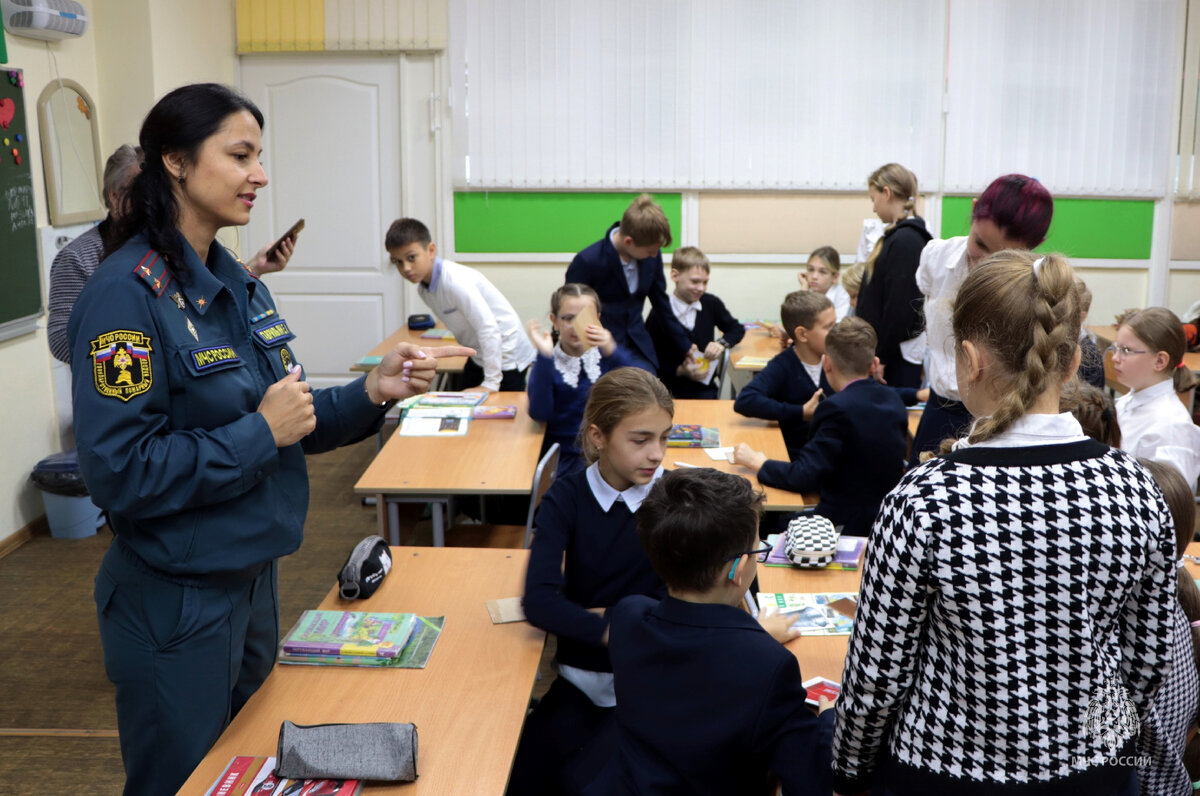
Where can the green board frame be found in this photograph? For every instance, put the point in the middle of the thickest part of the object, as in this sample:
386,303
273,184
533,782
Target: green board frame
511,222
1100,229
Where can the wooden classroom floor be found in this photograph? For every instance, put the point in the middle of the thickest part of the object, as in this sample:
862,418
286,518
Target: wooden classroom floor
58,725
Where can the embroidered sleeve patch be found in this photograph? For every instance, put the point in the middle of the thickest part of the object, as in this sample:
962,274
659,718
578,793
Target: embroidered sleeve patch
274,333
121,364
205,358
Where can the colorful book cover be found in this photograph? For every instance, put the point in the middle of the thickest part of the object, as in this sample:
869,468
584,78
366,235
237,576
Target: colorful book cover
685,435
255,776
350,633
414,655
452,399
815,614
818,687
438,334
494,412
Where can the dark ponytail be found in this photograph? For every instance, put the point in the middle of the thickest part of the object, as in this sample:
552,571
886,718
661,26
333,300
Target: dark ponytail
178,123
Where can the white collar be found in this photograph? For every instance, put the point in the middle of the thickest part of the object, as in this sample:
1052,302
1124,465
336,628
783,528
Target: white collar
1030,430
606,496
680,306
626,264
1154,392
568,366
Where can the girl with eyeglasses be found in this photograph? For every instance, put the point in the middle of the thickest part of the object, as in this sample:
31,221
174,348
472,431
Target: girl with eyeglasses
1148,359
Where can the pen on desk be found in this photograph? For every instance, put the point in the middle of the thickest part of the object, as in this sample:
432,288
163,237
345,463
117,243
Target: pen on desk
689,466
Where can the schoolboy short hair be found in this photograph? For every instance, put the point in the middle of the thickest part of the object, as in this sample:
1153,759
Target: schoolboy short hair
850,345
688,257
404,231
801,308
646,223
694,522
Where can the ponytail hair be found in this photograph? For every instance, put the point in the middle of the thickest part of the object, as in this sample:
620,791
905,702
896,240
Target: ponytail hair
1161,330
1027,319
615,396
901,182
179,124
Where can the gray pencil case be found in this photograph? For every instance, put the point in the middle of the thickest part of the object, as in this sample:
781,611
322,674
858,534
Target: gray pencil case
383,752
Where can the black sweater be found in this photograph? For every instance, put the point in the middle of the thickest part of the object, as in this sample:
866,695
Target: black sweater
604,563
890,300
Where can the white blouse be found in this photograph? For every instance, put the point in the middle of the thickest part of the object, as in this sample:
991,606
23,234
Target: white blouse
1156,425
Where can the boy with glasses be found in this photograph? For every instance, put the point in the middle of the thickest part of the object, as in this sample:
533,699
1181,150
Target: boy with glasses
708,702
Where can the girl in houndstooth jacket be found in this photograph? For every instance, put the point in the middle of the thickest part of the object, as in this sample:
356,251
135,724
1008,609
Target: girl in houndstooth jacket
1018,597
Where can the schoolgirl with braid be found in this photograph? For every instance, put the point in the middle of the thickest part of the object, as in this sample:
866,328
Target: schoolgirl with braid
1018,597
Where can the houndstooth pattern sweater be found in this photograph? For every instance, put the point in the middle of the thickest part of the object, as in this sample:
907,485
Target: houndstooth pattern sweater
1017,608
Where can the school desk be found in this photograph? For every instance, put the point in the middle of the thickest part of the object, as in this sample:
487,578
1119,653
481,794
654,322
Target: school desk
818,655
446,365
494,457
761,435
468,703
758,342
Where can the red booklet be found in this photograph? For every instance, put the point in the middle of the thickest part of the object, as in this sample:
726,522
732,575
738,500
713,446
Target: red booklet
255,776
821,687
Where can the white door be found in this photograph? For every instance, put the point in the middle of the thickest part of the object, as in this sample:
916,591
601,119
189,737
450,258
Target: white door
331,147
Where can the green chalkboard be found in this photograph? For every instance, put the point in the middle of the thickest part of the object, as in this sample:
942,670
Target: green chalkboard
1102,229
498,221
20,284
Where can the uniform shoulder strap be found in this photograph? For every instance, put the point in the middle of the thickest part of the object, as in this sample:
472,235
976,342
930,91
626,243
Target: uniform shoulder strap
152,271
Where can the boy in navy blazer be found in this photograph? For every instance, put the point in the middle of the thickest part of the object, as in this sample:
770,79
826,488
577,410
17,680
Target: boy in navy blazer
856,454
792,383
700,313
625,267
708,701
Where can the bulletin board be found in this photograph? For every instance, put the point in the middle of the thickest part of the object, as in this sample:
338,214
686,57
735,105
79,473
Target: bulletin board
20,280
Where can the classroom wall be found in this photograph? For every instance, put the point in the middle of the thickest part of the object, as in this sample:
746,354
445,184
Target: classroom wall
29,417
187,43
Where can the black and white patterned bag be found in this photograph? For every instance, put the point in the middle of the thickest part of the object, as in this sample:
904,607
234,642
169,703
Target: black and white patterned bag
811,541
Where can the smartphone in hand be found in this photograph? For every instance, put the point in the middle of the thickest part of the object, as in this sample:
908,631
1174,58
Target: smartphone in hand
292,232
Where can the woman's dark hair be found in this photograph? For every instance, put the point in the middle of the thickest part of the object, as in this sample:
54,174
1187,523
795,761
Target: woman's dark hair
178,123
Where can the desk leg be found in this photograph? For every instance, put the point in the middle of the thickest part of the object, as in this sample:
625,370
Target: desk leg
380,514
439,524
393,521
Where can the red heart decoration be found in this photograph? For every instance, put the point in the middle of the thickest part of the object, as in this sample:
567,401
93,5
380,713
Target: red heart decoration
8,109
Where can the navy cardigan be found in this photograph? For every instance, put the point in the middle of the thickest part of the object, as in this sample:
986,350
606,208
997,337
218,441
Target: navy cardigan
855,456
711,316
599,267
779,392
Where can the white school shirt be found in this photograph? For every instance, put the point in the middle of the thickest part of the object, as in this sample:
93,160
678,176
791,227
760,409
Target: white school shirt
686,313
840,298
1156,425
1028,431
598,686
480,317
941,272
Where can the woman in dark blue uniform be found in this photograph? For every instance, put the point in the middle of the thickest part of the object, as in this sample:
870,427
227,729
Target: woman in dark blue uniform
192,420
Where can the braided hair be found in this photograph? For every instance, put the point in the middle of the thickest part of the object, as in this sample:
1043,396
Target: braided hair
1027,319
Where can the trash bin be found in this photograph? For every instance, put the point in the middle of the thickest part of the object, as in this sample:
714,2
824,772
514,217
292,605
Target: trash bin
69,511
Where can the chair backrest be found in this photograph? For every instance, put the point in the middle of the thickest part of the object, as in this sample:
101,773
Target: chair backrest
720,368
543,477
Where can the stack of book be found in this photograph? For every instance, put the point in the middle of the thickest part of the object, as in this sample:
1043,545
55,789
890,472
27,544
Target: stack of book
685,435
361,638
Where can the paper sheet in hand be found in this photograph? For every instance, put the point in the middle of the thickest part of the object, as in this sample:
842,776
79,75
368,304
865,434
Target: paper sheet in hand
586,317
